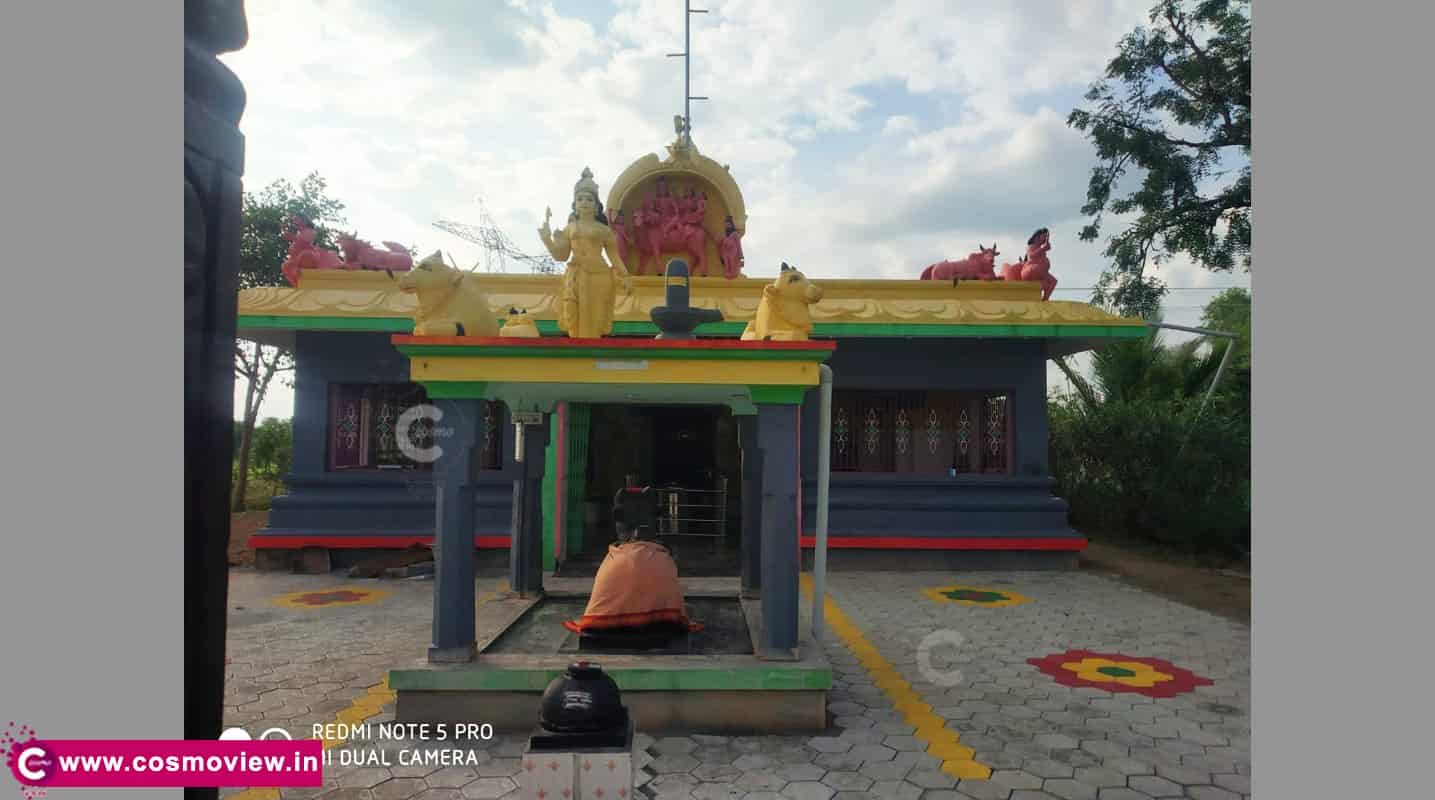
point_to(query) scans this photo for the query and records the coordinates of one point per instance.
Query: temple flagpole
(688, 12)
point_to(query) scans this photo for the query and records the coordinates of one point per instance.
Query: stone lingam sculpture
(677, 319)
(783, 314)
(589, 289)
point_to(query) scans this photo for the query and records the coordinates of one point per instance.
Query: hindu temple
(500, 417)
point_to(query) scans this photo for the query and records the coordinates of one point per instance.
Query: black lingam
(677, 319)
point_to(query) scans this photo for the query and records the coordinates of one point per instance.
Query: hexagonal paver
(1234, 783)
(1210, 793)
(929, 778)
(1128, 766)
(1183, 775)
(984, 790)
(840, 761)
(673, 763)
(709, 740)
(1016, 779)
(718, 791)
(497, 768)
(808, 790)
(1155, 786)
(829, 744)
(762, 780)
(674, 745)
(1100, 777)
(673, 785)
(1069, 789)
(1121, 793)
(895, 790)
(398, 788)
(762, 796)
(875, 752)
(489, 788)
(716, 773)
(1047, 768)
(451, 777)
(848, 781)
(1102, 748)
(752, 761)
(445, 793)
(801, 772)
(885, 770)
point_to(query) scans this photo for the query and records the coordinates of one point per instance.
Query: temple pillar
(455, 485)
(214, 102)
(751, 498)
(777, 438)
(525, 561)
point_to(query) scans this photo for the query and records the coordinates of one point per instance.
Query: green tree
(1174, 107)
(262, 250)
(273, 447)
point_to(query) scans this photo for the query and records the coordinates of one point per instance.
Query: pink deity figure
(731, 250)
(359, 254)
(668, 208)
(304, 254)
(1038, 266)
(623, 233)
(979, 266)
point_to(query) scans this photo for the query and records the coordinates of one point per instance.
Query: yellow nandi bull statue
(519, 325)
(450, 302)
(783, 314)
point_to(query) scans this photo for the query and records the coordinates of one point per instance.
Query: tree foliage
(262, 250)
(268, 213)
(1175, 109)
(1138, 452)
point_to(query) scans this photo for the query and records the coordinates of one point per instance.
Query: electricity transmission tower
(498, 249)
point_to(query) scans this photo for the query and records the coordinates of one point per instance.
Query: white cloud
(411, 110)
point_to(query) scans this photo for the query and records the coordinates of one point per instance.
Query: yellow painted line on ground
(366, 706)
(943, 742)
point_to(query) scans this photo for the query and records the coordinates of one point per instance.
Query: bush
(1149, 468)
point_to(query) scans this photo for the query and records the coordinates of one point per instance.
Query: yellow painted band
(614, 371)
(957, 759)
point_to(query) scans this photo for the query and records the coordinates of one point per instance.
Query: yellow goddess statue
(589, 292)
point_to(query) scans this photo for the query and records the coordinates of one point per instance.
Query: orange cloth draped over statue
(637, 584)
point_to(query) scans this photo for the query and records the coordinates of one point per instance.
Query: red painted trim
(636, 344)
(946, 543)
(352, 542)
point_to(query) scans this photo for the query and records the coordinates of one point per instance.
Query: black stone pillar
(213, 165)
(525, 570)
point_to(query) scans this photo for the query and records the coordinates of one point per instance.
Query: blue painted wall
(322, 503)
(1019, 505)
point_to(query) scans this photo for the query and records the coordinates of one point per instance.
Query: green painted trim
(785, 395)
(994, 331)
(580, 419)
(381, 324)
(832, 329)
(551, 468)
(694, 354)
(628, 680)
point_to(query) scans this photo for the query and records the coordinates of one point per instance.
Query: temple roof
(342, 300)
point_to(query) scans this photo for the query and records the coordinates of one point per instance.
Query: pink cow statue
(359, 254)
(978, 266)
(304, 254)
(1034, 266)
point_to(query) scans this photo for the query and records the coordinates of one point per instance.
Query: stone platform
(720, 685)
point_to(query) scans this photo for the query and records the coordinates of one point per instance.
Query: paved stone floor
(968, 663)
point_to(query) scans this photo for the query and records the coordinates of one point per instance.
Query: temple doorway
(691, 457)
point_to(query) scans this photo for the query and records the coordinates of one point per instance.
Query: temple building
(938, 440)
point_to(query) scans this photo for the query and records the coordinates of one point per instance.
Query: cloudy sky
(869, 138)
